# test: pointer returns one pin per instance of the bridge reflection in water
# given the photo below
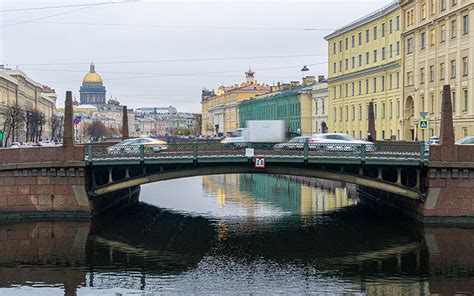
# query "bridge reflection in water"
(317, 240)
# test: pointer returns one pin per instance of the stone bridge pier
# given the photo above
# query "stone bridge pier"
(50, 181)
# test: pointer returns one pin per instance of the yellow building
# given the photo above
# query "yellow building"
(365, 65)
(438, 40)
(220, 114)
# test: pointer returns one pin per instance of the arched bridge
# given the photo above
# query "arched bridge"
(393, 167)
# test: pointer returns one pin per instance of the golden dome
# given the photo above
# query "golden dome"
(92, 76)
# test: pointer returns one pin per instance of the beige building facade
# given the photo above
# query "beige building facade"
(438, 39)
(220, 113)
(18, 89)
(365, 60)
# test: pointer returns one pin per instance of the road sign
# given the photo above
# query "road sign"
(259, 163)
(423, 124)
(76, 120)
(423, 114)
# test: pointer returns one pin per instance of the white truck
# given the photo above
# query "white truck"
(258, 131)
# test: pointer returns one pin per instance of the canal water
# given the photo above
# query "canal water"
(238, 234)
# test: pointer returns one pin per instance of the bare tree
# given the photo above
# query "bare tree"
(14, 118)
(56, 122)
(35, 122)
(97, 130)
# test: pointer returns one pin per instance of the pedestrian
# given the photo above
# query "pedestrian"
(369, 137)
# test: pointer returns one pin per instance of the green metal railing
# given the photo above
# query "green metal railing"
(382, 152)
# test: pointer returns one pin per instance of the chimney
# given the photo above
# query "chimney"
(320, 78)
(309, 80)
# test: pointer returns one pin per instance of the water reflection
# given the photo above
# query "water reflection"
(267, 195)
(291, 236)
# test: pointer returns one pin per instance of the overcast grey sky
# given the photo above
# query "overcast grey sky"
(132, 44)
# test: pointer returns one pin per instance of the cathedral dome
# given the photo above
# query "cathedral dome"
(92, 76)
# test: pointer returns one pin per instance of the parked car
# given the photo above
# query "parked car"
(469, 140)
(328, 142)
(431, 141)
(133, 146)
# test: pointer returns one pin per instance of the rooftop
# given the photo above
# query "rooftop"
(364, 20)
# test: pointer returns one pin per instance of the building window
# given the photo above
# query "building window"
(454, 29)
(453, 69)
(409, 45)
(441, 71)
(360, 87)
(375, 33)
(367, 36)
(443, 33)
(410, 78)
(375, 84)
(465, 66)
(466, 100)
(465, 24)
(334, 92)
(433, 7)
(383, 53)
(353, 89)
(340, 45)
(432, 104)
(383, 30)
(443, 5)
(353, 62)
(367, 58)
(398, 23)
(398, 47)
(340, 113)
(347, 64)
(390, 81)
(340, 66)
(391, 109)
(383, 83)
(391, 51)
(353, 112)
(432, 36)
(423, 11)
(347, 113)
(367, 86)
(397, 79)
(347, 89)
(360, 60)
(423, 40)
(398, 108)
(422, 75)
(360, 111)
(334, 68)
(390, 26)
(347, 43)
(334, 48)
(335, 114)
(432, 73)
(383, 110)
(360, 38)
(353, 41)
(375, 110)
(340, 90)
(322, 107)
(454, 2)
(453, 98)
(375, 56)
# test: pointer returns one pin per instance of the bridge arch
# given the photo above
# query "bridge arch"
(375, 182)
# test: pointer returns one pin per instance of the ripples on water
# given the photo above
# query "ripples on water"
(235, 234)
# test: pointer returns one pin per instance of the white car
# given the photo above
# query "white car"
(133, 146)
(328, 142)
(469, 140)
